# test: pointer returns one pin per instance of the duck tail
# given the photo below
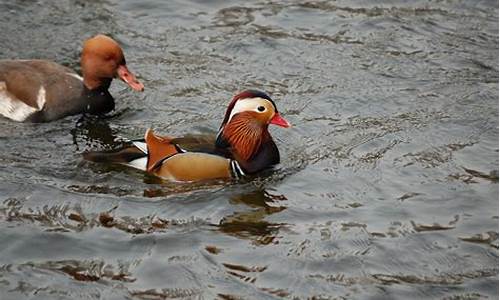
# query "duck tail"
(124, 155)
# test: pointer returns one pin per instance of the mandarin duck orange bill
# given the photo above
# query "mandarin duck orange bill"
(41, 91)
(242, 146)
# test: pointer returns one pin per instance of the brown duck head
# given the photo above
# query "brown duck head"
(102, 60)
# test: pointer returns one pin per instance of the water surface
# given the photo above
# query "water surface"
(388, 186)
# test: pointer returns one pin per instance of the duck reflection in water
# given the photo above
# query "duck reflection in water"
(252, 224)
(91, 131)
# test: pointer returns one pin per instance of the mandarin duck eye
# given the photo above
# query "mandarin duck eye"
(261, 108)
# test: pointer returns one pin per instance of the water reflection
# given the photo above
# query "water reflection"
(94, 132)
(161, 188)
(252, 224)
(393, 138)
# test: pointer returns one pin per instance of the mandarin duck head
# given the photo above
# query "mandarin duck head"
(102, 60)
(245, 126)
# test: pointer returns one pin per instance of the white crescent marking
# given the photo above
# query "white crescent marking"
(139, 163)
(141, 146)
(40, 98)
(76, 76)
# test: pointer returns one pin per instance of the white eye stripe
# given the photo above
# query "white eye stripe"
(249, 104)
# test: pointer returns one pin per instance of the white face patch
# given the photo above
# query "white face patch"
(15, 109)
(249, 104)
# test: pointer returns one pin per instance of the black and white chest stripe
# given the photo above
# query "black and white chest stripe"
(236, 170)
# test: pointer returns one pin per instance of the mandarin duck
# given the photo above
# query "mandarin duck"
(243, 145)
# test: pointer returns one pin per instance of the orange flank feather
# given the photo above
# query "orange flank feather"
(166, 160)
(194, 166)
(158, 149)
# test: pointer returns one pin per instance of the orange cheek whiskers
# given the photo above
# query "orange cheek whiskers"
(244, 138)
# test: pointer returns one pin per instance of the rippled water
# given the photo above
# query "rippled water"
(388, 186)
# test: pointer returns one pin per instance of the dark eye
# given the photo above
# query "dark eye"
(261, 108)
